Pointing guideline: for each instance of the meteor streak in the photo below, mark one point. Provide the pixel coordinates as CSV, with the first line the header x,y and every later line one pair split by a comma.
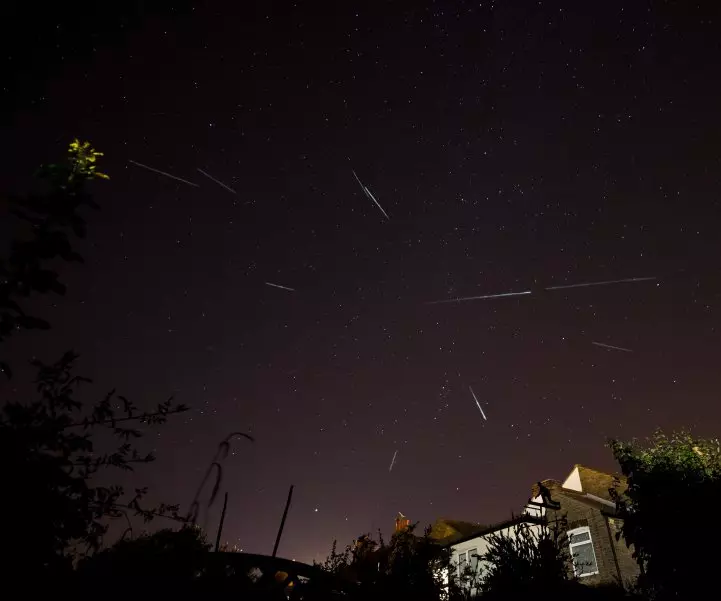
x,y
180,179
369,195
477,403
221,184
601,283
393,461
279,286
467,298
614,348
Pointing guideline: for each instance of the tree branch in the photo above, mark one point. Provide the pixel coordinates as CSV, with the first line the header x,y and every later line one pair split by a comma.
x,y
114,420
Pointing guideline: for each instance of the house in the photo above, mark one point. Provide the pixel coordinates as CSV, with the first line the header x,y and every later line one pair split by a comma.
x,y
584,502
467,548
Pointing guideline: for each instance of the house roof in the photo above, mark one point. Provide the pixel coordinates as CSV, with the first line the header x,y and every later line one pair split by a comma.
x,y
596,482
446,531
588,499
593,484
594,489
486,530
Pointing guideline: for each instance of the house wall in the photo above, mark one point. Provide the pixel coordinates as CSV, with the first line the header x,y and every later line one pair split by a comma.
x,y
481,543
614,560
624,554
533,510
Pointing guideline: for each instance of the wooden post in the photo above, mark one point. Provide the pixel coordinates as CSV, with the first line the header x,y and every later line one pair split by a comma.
x,y
220,526
282,521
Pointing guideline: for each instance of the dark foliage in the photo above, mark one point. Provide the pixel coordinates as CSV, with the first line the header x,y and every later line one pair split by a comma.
x,y
57,493
52,220
178,563
55,506
168,560
674,484
531,558
407,567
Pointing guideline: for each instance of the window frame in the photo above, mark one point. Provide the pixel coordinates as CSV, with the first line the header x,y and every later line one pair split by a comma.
x,y
577,531
462,563
473,558
467,560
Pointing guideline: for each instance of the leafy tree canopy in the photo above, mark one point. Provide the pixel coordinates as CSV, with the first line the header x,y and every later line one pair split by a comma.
x,y
58,505
52,219
57,492
527,559
406,567
674,485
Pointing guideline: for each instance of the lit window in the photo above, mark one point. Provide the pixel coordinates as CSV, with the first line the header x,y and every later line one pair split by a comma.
x,y
584,557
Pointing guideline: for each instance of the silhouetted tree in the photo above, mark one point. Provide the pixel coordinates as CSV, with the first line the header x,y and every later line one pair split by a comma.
x,y
529,559
534,561
407,567
57,496
52,219
669,511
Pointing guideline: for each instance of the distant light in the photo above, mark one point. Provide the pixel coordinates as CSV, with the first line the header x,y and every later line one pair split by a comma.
x,y
316,510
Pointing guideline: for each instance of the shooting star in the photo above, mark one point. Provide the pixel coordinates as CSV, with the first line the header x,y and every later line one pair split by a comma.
x,y
221,184
370,196
601,283
613,348
373,198
281,287
467,298
477,403
180,179
393,462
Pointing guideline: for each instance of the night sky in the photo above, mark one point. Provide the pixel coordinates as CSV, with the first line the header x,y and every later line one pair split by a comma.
x,y
515,146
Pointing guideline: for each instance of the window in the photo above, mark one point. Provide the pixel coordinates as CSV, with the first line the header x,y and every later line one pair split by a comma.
x,y
584,557
469,568
473,560
462,562
468,560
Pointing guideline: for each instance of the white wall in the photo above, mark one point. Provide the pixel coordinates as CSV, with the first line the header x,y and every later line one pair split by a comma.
x,y
481,543
532,510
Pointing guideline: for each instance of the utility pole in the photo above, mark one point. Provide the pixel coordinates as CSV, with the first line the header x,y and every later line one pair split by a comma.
x,y
282,521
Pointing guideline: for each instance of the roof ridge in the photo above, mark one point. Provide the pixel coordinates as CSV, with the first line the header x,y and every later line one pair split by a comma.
x,y
456,520
593,469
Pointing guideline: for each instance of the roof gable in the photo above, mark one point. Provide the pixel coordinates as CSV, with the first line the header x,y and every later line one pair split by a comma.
x,y
445,530
598,483
486,531
573,480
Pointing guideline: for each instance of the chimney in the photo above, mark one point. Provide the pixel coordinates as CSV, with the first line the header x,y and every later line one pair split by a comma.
x,y
402,522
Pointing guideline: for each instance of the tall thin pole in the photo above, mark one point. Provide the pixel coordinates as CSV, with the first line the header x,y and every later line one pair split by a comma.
x,y
282,521
220,526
